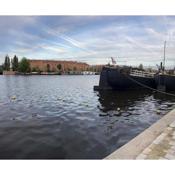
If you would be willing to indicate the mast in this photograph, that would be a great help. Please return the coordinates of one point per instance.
(164, 57)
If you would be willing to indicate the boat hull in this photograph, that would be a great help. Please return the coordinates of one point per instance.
(118, 78)
(166, 80)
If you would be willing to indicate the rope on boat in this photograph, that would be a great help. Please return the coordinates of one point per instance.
(141, 84)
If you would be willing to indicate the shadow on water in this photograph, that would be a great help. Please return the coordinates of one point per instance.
(127, 113)
(120, 99)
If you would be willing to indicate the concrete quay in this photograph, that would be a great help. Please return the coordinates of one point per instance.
(156, 142)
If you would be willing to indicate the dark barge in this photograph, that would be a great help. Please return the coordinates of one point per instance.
(123, 78)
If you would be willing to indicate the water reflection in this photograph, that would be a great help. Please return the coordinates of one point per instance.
(127, 113)
(111, 100)
(128, 100)
(62, 117)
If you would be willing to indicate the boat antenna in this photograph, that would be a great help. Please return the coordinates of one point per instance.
(164, 57)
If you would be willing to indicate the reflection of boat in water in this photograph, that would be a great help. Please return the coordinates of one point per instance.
(111, 100)
(122, 99)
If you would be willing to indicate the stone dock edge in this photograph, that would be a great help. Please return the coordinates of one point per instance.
(134, 147)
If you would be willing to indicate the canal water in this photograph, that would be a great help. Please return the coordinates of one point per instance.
(62, 117)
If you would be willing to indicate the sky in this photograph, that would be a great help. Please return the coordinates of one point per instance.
(131, 40)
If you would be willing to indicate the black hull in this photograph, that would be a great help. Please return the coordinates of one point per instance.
(166, 80)
(118, 80)
(115, 78)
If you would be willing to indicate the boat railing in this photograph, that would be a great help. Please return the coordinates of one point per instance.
(139, 73)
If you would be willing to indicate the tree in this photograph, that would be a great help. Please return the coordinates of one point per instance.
(24, 65)
(74, 68)
(53, 69)
(69, 69)
(48, 67)
(15, 63)
(1, 69)
(141, 66)
(59, 67)
(38, 69)
(7, 63)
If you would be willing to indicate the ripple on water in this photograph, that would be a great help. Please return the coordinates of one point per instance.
(62, 117)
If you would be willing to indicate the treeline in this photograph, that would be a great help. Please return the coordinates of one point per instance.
(23, 66)
(14, 64)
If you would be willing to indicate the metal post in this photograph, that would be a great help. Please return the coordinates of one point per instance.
(161, 78)
(164, 57)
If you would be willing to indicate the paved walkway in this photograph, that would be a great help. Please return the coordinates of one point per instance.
(163, 147)
(156, 142)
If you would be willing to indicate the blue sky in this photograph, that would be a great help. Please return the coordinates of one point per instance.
(130, 40)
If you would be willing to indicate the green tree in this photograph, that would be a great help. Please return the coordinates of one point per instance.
(1, 69)
(48, 67)
(7, 63)
(15, 63)
(38, 69)
(33, 69)
(74, 68)
(59, 67)
(24, 65)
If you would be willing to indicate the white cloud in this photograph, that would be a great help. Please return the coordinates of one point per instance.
(90, 39)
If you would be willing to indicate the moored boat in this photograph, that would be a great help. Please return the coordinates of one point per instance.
(123, 78)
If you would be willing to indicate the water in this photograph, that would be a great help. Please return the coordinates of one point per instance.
(61, 117)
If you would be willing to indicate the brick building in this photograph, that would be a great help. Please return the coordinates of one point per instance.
(43, 65)
(96, 68)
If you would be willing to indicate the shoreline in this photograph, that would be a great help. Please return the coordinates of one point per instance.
(138, 144)
(49, 73)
